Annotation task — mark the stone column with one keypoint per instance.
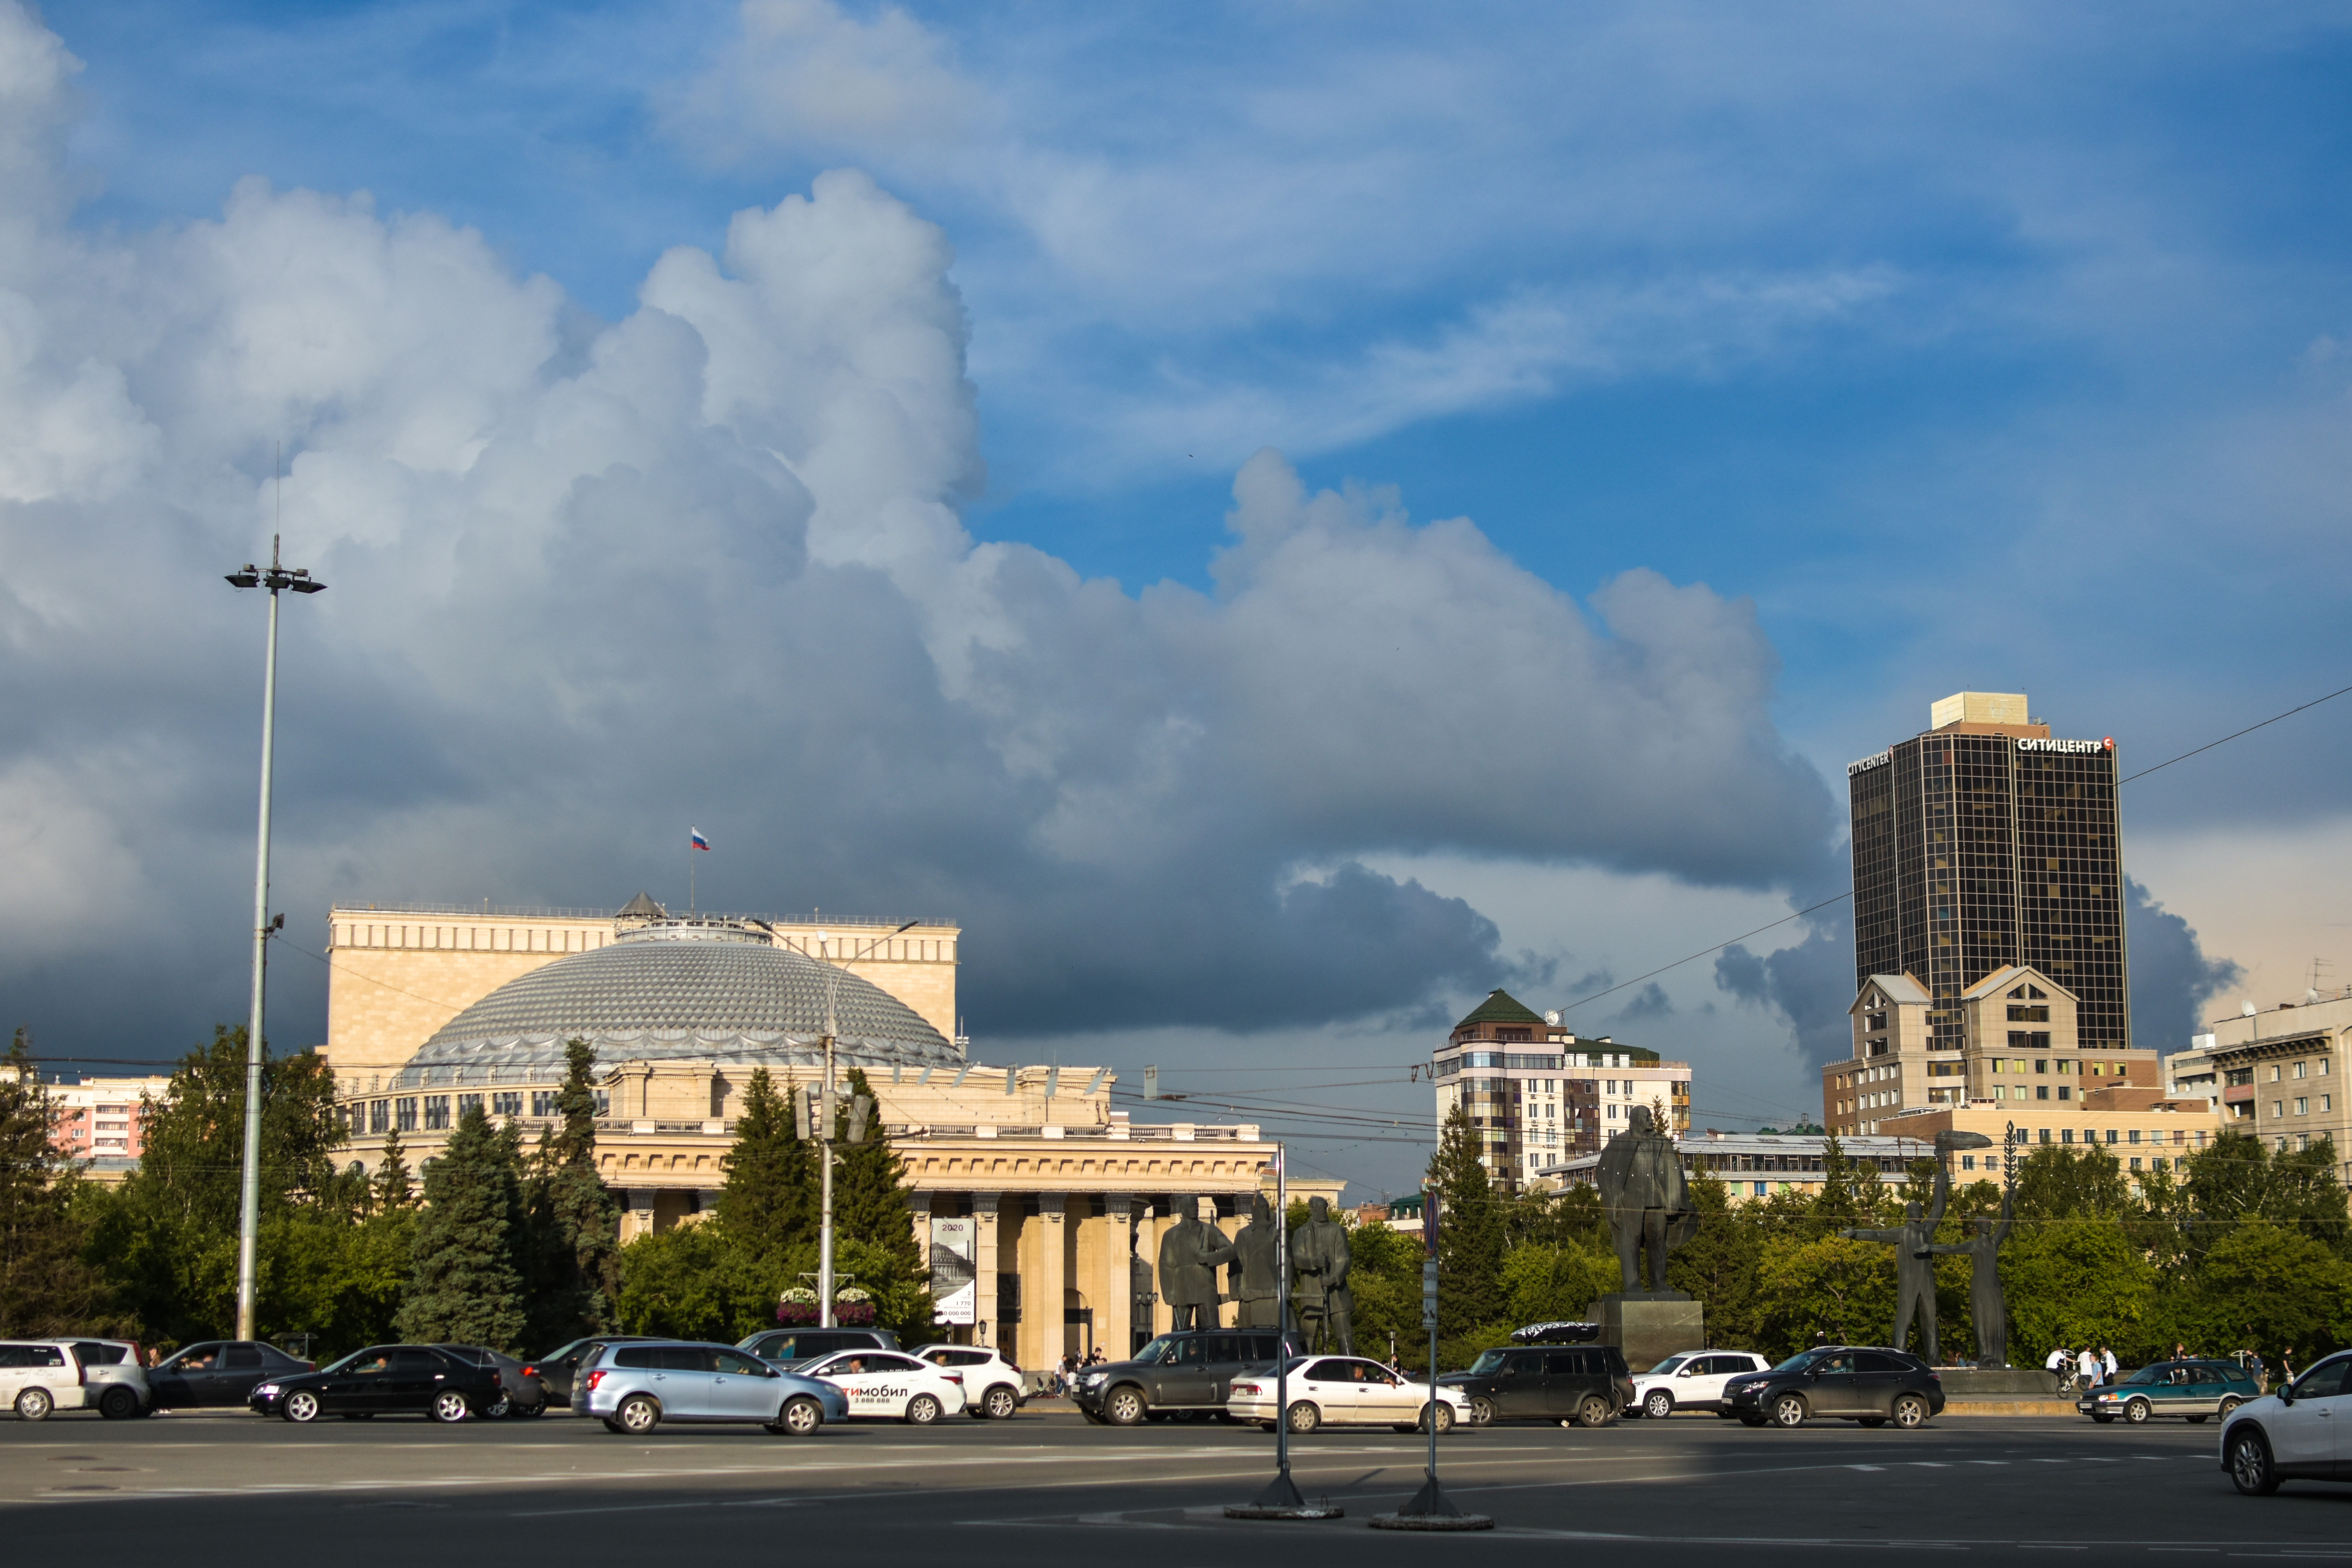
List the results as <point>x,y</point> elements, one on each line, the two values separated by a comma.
<point>1106,1272</point>
<point>983,1263</point>
<point>1044,1281</point>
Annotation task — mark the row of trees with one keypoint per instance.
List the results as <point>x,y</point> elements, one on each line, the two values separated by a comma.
<point>491,1243</point>
<point>2248,1249</point>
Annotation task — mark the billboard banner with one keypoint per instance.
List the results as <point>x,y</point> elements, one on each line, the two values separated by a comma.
<point>955,1254</point>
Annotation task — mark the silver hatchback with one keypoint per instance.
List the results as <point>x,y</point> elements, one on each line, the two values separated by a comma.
<point>634,1388</point>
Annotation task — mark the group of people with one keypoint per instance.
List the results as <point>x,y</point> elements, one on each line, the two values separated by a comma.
<point>2094,1367</point>
<point>1066,1370</point>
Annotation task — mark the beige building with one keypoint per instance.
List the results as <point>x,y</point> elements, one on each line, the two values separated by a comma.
<point>2142,1126</point>
<point>2279,1073</point>
<point>1755,1166</point>
<point>1051,1198</point>
<point>2015,1046</point>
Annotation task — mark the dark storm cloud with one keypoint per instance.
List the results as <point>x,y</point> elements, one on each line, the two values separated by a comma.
<point>2172,980</point>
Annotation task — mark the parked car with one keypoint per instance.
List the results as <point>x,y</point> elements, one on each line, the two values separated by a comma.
<point>992,1385</point>
<point>891,1385</point>
<point>634,1388</point>
<point>1343,1391</point>
<point>558,1368</point>
<point>1586,1383</point>
<point>383,1380</point>
<point>2191,1389</point>
<point>1870,1385</point>
<point>218,1373</point>
<point>111,1371</point>
<point>1693,1380</point>
<point>791,1347</point>
<point>2294,1435</point>
<point>1192,1371</point>
<point>521,1394</point>
<point>39,1376</point>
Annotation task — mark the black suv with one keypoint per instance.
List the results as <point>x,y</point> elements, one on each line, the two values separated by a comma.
<point>1589,1385</point>
<point>1189,1370</point>
<point>1870,1385</point>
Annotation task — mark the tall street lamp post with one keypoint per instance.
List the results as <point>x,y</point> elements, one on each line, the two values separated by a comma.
<point>824,1127</point>
<point>277,579</point>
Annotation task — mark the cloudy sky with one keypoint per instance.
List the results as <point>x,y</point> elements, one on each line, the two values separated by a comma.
<point>1277,517</point>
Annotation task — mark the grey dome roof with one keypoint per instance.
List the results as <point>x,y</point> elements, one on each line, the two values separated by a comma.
<point>676,990</point>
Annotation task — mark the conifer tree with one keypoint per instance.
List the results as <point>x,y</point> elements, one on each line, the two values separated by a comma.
<point>769,1204</point>
<point>870,1190</point>
<point>45,1287</point>
<point>465,1285</point>
<point>391,1186</point>
<point>1469,1231</point>
<point>575,1219</point>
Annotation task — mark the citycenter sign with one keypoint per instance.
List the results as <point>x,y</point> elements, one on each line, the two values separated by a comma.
<point>1867,763</point>
<point>2069,748</point>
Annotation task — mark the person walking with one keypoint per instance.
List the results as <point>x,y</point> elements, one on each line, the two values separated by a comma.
<point>2087,1366</point>
<point>2286,1364</point>
<point>2107,1364</point>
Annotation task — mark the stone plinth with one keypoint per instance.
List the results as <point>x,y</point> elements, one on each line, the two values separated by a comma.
<point>1648,1326</point>
<point>1997,1382</point>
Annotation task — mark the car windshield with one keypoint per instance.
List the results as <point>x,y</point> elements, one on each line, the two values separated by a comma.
<point>1801,1359</point>
<point>1668,1364</point>
<point>373,1353</point>
<point>2151,1374</point>
<point>1488,1361</point>
<point>1159,1350</point>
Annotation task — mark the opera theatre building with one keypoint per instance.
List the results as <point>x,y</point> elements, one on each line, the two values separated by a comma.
<point>1026,1182</point>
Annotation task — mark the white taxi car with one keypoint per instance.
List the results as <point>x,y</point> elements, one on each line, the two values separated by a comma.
<point>1343,1391</point>
<point>1693,1380</point>
<point>888,1385</point>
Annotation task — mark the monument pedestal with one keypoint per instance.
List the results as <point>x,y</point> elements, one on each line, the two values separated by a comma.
<point>1997,1382</point>
<point>1648,1326</point>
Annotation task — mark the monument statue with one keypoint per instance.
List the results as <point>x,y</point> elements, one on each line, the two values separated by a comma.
<point>1318,1278</point>
<point>1986,1303</point>
<point>1255,1277</point>
<point>1915,1266</point>
<point>1190,1255</point>
<point>1649,1203</point>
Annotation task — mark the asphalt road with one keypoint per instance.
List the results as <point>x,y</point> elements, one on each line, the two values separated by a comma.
<point>206,1489</point>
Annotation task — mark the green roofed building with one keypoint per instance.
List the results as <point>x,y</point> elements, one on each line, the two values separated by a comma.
<point>1538,1094</point>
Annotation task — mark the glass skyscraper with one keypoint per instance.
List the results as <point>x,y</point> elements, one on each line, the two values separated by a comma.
<point>1984,842</point>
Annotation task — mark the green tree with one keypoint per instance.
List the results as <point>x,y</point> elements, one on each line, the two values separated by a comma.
<point>2059,1182</point>
<point>1469,1232</point>
<point>2238,1178</point>
<point>2074,1280</point>
<point>1718,1265</point>
<point>768,1200</point>
<point>574,1223</point>
<point>465,1285</point>
<point>1824,1286</point>
<point>2263,1286</point>
<point>1384,1274</point>
<point>393,1186</point>
<point>1544,1283</point>
<point>870,1192</point>
<point>46,1288</point>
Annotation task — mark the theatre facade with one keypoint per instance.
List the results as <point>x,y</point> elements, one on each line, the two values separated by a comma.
<point>1040,1206</point>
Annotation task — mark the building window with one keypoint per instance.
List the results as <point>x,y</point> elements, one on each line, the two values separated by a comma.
<point>436,1113</point>
<point>1968,1162</point>
<point>2042,1064</point>
<point>1762,1187</point>
<point>2274,1072</point>
<point>404,1114</point>
<point>2323,1066</point>
<point>2134,1162</point>
<point>2066,1135</point>
<point>2298,1068</point>
<point>379,1115</point>
<point>2112,1135</point>
<point>2064,1092</point>
<point>507,1102</point>
<point>2040,1092</point>
<point>2046,1136</point>
<point>2135,1135</point>
<point>2327,1102</point>
<point>2278,1108</point>
<point>468,1104</point>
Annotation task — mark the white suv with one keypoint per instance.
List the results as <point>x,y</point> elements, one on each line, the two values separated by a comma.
<point>36,1378</point>
<point>992,1385</point>
<point>1693,1380</point>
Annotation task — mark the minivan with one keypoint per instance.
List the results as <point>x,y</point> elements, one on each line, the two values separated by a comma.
<point>1589,1385</point>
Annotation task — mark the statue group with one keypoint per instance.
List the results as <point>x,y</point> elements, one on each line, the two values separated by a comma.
<point>1916,1249</point>
<point>1194,1249</point>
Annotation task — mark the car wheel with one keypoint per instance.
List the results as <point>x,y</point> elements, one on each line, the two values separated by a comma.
<point>2251,1469</point>
<point>529,1412</point>
<point>449,1405</point>
<point>1910,1412</point>
<point>922,1410</point>
<point>1482,1412</point>
<point>33,1405</point>
<point>1000,1404</point>
<point>1445,1419</point>
<point>1788,1410</point>
<point>799,1418</point>
<point>2136,1410</point>
<point>1594,1412</point>
<point>301,1407</point>
<point>1305,1417</point>
<point>1125,1407</point>
<point>2228,1405</point>
<point>1658,1405</point>
<point>501,1407</point>
<point>118,1404</point>
<point>637,1417</point>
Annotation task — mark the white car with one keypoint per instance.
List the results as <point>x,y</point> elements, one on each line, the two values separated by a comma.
<point>891,1386</point>
<point>2294,1435</point>
<point>1343,1391</point>
<point>992,1385</point>
<point>36,1378</point>
<point>1691,1381</point>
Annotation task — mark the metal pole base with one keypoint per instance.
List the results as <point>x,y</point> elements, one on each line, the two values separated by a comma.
<point>1431,1509</point>
<point>1281,1500</point>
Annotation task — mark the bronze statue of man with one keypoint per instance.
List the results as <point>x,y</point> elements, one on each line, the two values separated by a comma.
<point>1914,1268</point>
<point>1188,1257</point>
<point>1318,1272</point>
<point>1987,1302</point>
<point>1649,1203</point>
<point>1255,1277</point>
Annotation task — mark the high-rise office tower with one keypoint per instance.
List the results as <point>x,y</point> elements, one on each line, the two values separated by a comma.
<point>1983,842</point>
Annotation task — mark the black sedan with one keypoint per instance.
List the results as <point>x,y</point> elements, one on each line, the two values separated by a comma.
<point>1872,1385</point>
<point>218,1373</point>
<point>383,1380</point>
<point>558,1368</point>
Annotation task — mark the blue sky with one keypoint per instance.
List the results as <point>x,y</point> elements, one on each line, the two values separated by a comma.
<point>1991,347</point>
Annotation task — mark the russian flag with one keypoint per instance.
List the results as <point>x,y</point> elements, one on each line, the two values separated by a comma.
<point>699,841</point>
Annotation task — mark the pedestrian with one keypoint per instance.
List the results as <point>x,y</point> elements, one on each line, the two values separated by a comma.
<point>2087,1366</point>
<point>2286,1364</point>
<point>2107,1364</point>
